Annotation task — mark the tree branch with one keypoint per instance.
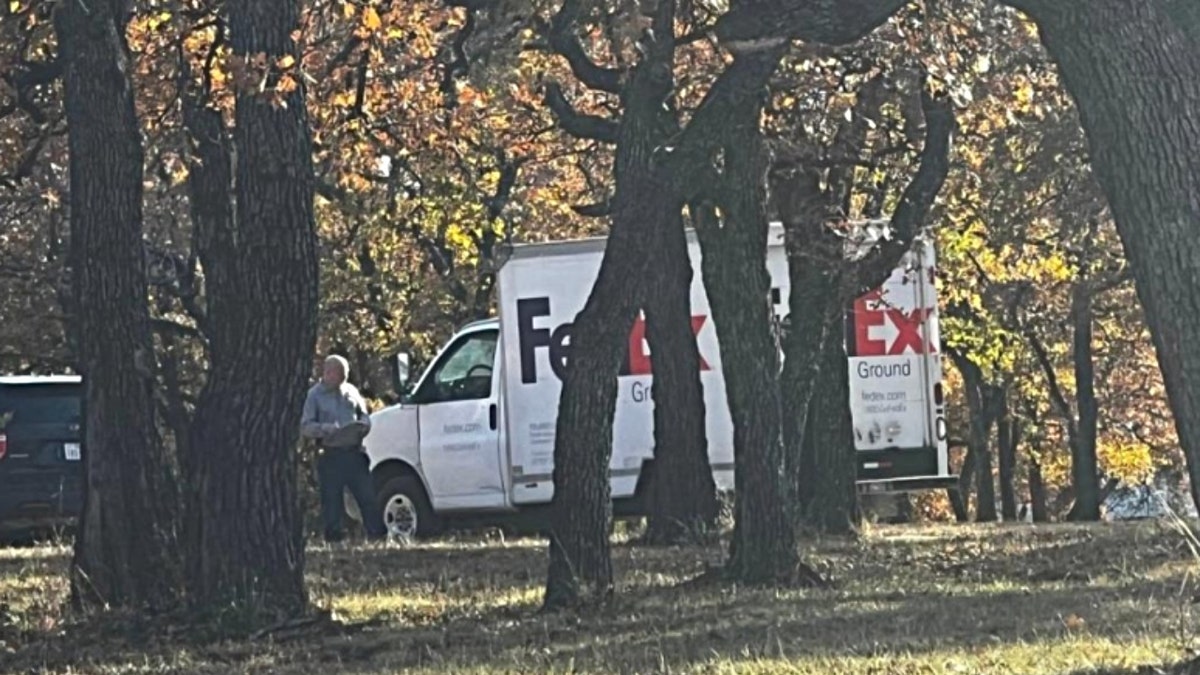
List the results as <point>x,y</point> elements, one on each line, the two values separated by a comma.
<point>598,210</point>
<point>913,211</point>
<point>852,136</point>
<point>34,73</point>
<point>509,170</point>
<point>1056,391</point>
<point>690,160</point>
<point>1113,282</point>
<point>29,161</point>
<point>166,326</point>
<point>1043,9</point>
<point>458,64</point>
<point>576,123</point>
<point>832,22</point>
<point>560,34</point>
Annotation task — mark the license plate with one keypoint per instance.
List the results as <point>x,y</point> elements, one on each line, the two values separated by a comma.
<point>72,452</point>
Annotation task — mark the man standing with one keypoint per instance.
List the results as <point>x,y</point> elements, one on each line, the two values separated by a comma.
<point>336,416</point>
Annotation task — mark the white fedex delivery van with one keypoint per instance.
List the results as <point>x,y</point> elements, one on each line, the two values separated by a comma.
<point>475,437</point>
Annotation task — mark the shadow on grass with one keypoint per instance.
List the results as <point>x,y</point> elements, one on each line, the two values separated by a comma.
<point>894,597</point>
<point>1189,667</point>
<point>662,627</point>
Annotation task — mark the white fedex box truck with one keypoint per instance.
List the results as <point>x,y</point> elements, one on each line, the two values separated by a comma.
<point>475,437</point>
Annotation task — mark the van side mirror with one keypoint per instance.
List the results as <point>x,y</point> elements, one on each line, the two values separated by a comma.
<point>400,373</point>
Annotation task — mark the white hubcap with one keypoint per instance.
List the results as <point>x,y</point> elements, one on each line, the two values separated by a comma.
<point>400,517</point>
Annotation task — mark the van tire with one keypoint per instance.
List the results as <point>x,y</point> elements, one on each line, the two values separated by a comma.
<point>405,496</point>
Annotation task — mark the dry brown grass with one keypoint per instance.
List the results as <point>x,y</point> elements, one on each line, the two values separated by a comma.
<point>997,599</point>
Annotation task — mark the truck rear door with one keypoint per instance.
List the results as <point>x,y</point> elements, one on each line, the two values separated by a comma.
<point>890,351</point>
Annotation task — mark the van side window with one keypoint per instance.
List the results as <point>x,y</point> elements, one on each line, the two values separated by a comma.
<point>464,373</point>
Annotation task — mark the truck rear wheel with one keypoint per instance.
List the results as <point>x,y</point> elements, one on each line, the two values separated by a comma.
<point>406,510</point>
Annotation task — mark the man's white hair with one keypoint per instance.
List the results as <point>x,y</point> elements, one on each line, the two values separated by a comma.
<point>341,362</point>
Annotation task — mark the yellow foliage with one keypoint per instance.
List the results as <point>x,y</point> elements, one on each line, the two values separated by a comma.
<point>1023,95</point>
<point>286,85</point>
<point>371,20</point>
<point>1130,462</point>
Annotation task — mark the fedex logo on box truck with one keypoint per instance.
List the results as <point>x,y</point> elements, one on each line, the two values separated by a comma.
<point>557,341</point>
<point>872,316</point>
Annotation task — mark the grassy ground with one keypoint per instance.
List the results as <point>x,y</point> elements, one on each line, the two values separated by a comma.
<point>1001,599</point>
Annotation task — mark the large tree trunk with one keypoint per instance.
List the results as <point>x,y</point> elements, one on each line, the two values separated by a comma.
<point>818,434</point>
<point>1085,469</point>
<point>1037,493</point>
<point>1007,438</point>
<point>821,471</point>
<point>812,336</point>
<point>580,565</point>
<point>210,180</point>
<point>763,549</point>
<point>125,554</point>
<point>1133,67</point>
<point>683,495</point>
<point>1084,491</point>
<point>580,553</point>
<point>960,496</point>
<point>262,329</point>
<point>981,436</point>
<point>980,445</point>
<point>828,499</point>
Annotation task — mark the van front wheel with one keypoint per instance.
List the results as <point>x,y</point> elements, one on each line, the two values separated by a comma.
<point>406,510</point>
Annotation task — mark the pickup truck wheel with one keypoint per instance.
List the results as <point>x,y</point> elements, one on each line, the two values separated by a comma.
<point>406,510</point>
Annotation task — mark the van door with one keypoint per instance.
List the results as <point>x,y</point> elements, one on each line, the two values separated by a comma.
<point>458,419</point>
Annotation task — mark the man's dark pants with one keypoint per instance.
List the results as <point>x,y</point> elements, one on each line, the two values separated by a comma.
<point>337,469</point>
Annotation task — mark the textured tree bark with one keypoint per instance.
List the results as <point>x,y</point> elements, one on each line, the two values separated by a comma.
<point>210,181</point>
<point>1007,438</point>
<point>1085,469</point>
<point>1037,493</point>
<point>683,497</point>
<point>1082,421</point>
<point>124,553</point>
<point>821,461</point>
<point>580,566</point>
<point>262,319</point>
<point>980,446</point>
<point>1133,68</point>
<point>580,556</point>
<point>734,245</point>
<point>816,262</point>
<point>985,504</point>
<point>828,498</point>
<point>960,497</point>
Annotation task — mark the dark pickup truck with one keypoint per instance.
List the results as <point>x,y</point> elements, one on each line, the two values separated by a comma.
<point>41,450</point>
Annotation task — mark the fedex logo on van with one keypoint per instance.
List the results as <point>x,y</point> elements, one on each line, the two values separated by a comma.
<point>908,326</point>
<point>557,341</point>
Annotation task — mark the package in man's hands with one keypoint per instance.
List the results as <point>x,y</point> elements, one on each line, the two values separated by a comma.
<point>347,435</point>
